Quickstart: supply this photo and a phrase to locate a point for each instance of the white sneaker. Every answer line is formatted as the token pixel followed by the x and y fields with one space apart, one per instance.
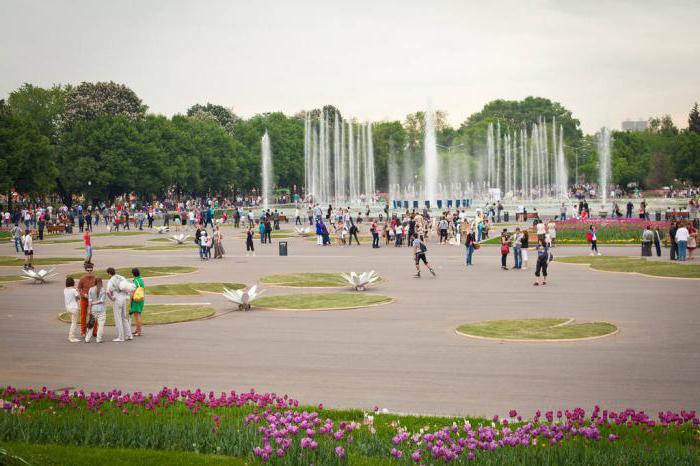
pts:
pixel 74 340
pixel 599 254
pixel 117 339
pixel 129 337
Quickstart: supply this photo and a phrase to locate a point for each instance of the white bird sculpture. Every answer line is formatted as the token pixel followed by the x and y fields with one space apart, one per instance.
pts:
pixel 41 276
pixel 179 238
pixel 163 229
pixel 362 281
pixel 243 297
pixel 303 231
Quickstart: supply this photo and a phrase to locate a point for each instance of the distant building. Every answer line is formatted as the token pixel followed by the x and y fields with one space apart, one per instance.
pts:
pixel 638 125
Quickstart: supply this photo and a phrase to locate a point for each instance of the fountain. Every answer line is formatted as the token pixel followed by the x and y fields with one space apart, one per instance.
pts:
pixel 430 158
pixel 266 154
pixel 338 160
pixel 604 167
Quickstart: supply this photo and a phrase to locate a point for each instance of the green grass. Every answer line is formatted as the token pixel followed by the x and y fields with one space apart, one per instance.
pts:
pixel 167 247
pixel 11 278
pixel 306 280
pixel 121 233
pixel 174 289
pixel 157 314
pixel 146 272
pixel 638 265
pixel 160 240
pixel 8 261
pixel 536 329
pixel 59 241
pixel 66 455
pixel 308 301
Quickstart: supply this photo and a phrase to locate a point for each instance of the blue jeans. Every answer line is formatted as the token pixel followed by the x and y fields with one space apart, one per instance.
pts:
pixel 18 244
pixel 518 255
pixel 375 240
pixel 563 215
pixel 479 229
pixel 682 249
pixel 470 252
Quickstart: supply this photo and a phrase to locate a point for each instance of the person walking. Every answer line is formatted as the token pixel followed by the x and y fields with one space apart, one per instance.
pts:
pixel 543 258
pixel 353 231
pixel 524 245
pixel 682 236
pixel 249 246
pixel 469 244
pixel 138 300
pixel 518 249
pixel 375 234
pixel 419 251
pixel 657 241
pixel 552 232
pixel 17 237
pixel 505 249
pixel 593 239
pixel 119 292
pixel 71 298
pixel 268 231
pixel 442 226
pixel 297 217
pixel 87 241
pixel 40 225
pixel 218 243
pixel 96 301
pixel 28 248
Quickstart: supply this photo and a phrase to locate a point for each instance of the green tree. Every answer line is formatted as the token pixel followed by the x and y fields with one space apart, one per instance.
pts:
pixel 686 157
pixel 25 156
pixel 389 140
pixel 694 119
pixel 224 116
pixel 40 107
pixel 90 100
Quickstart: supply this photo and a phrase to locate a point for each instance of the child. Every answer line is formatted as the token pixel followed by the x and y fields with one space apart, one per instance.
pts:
pixel 70 296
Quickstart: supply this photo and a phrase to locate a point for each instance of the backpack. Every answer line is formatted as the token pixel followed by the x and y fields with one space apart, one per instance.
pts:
pixel 423 247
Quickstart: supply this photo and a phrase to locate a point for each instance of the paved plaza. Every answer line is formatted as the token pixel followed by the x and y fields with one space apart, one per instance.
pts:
pixel 404 356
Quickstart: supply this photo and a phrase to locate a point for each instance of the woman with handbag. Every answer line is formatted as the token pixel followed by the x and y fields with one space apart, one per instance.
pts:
pixel 505 248
pixel 98 315
pixel 137 300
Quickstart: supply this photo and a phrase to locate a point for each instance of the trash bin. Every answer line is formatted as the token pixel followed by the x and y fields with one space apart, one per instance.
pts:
pixel 283 248
pixel 506 216
pixel 658 216
pixel 646 248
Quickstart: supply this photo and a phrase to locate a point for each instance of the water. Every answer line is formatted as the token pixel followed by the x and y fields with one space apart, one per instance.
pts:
pixel 604 166
pixel 266 154
pixel 430 158
pixel 338 160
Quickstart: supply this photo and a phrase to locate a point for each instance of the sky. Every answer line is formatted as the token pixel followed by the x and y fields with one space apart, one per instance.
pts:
pixel 606 61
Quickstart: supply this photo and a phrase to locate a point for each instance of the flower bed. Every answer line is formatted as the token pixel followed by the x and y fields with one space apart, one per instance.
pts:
pixel 608 231
pixel 270 427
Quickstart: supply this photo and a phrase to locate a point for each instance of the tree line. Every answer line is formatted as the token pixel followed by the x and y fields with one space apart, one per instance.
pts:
pixel 98 140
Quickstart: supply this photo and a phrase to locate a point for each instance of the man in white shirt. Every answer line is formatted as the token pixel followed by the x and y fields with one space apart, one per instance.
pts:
pixel 28 247
pixel 120 299
pixel 682 241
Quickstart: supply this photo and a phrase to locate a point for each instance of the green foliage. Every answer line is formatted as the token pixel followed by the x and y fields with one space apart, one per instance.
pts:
pixel 223 116
pixel 694 119
pixel 686 157
pixel 389 139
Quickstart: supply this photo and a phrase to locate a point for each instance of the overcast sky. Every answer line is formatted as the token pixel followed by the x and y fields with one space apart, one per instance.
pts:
pixel 377 59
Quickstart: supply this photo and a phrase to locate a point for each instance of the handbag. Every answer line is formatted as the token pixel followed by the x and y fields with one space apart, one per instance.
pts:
pixel 91 321
pixel 505 249
pixel 476 246
pixel 139 294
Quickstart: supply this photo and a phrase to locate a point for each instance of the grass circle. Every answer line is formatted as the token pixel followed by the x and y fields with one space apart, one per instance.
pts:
pixel 307 280
pixel 548 329
pixel 146 272
pixel 320 301
pixel 157 314
pixel 181 289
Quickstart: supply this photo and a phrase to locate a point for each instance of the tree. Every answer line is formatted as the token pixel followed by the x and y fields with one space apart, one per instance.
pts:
pixel 389 139
pixel 694 119
pixel 90 100
pixel 667 127
pixel 686 157
pixel 224 116
pixel 414 124
pixel 41 107
pixel 25 156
